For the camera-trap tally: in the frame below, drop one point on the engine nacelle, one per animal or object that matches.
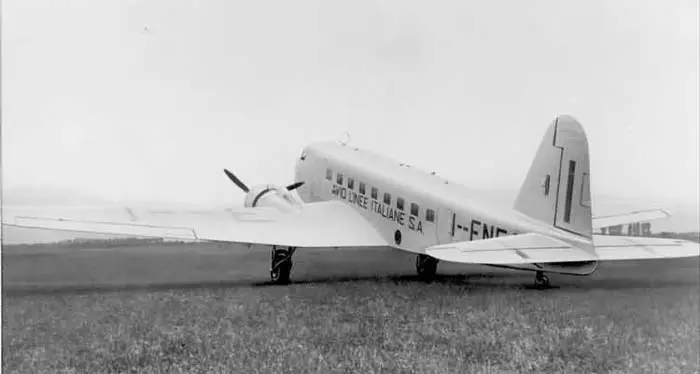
(268, 195)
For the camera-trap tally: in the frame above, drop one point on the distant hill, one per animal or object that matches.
(690, 236)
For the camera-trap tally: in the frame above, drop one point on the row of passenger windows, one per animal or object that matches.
(374, 194)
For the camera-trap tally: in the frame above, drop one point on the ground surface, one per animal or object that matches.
(207, 308)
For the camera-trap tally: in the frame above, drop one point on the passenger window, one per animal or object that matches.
(414, 209)
(375, 192)
(362, 188)
(339, 180)
(430, 215)
(399, 203)
(387, 198)
(329, 174)
(351, 183)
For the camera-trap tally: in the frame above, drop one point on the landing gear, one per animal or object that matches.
(426, 266)
(541, 280)
(281, 264)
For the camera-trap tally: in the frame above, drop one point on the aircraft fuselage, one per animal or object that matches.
(411, 208)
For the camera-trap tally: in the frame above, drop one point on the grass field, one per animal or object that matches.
(208, 308)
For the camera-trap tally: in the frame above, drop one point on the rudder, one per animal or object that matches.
(557, 189)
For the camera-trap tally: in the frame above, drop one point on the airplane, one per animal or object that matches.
(346, 197)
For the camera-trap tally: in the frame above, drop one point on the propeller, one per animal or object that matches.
(245, 188)
(294, 186)
(237, 181)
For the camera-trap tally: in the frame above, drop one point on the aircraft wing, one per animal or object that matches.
(537, 248)
(323, 224)
(632, 217)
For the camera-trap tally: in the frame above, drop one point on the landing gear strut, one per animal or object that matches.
(541, 280)
(426, 266)
(281, 264)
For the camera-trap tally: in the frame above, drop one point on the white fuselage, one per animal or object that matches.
(457, 214)
(328, 168)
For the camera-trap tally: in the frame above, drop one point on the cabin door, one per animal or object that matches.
(445, 225)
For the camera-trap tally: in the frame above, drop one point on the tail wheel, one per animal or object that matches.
(426, 266)
(281, 265)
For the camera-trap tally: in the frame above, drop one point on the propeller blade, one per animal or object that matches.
(294, 186)
(237, 181)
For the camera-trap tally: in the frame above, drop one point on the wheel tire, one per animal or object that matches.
(282, 274)
(542, 281)
(426, 267)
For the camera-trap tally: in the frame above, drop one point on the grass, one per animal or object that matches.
(207, 308)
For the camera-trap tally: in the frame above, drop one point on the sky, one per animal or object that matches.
(150, 100)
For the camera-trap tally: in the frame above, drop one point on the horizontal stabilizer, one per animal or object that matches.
(515, 249)
(632, 217)
(537, 248)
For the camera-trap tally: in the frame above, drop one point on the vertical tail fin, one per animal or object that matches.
(557, 189)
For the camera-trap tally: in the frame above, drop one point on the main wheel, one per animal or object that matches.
(281, 267)
(426, 266)
(541, 280)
